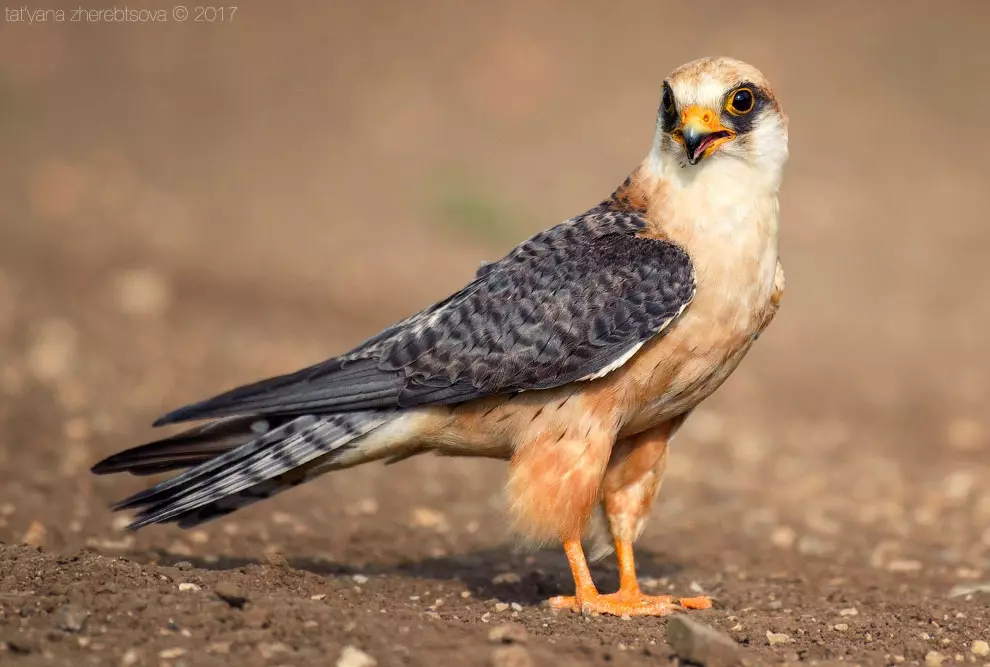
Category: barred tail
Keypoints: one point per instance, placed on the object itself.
(236, 462)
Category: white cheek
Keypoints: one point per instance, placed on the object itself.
(765, 146)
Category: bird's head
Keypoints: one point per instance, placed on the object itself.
(717, 109)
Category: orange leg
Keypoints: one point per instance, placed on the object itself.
(628, 601)
(629, 585)
(631, 483)
(584, 585)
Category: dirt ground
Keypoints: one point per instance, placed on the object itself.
(186, 207)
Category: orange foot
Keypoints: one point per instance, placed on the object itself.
(628, 604)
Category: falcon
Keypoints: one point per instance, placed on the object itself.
(576, 357)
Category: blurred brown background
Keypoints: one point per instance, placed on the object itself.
(190, 206)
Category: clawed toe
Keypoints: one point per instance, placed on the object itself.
(626, 604)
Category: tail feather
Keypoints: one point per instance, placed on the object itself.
(188, 448)
(227, 504)
(241, 474)
(207, 468)
(320, 435)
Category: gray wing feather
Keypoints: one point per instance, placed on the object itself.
(563, 306)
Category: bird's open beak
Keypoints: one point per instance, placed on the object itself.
(701, 133)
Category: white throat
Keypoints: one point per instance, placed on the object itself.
(724, 212)
(719, 196)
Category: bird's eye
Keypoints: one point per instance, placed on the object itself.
(741, 102)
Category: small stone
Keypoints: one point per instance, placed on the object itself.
(813, 546)
(360, 579)
(966, 434)
(131, 657)
(510, 633)
(363, 507)
(231, 593)
(511, 656)
(934, 659)
(507, 578)
(699, 643)
(275, 557)
(256, 619)
(76, 429)
(179, 548)
(318, 596)
(980, 648)
(783, 537)
(424, 517)
(851, 611)
(122, 544)
(53, 352)
(172, 653)
(71, 618)
(841, 627)
(355, 657)
(516, 606)
(968, 589)
(269, 651)
(183, 565)
(774, 638)
(142, 292)
(199, 537)
(501, 606)
(959, 484)
(18, 642)
(35, 534)
(187, 586)
(220, 648)
(904, 565)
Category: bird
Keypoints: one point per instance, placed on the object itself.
(576, 357)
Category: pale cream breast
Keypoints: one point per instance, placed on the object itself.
(727, 221)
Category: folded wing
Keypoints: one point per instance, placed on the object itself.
(569, 304)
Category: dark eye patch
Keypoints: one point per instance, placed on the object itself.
(668, 109)
(743, 123)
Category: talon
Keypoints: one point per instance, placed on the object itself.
(619, 604)
(699, 602)
(628, 601)
(563, 602)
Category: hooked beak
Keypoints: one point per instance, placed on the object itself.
(700, 133)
